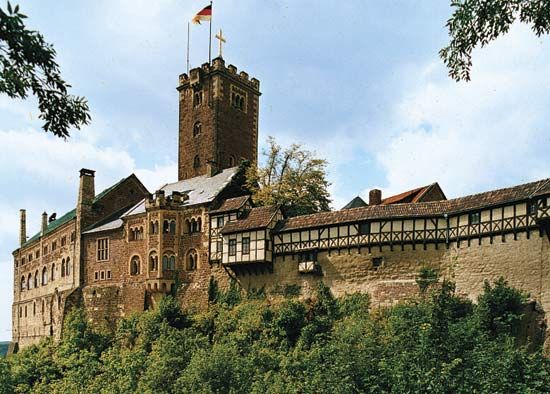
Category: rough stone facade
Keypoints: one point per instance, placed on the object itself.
(122, 250)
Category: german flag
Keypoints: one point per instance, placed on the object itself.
(203, 15)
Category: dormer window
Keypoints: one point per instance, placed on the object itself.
(197, 129)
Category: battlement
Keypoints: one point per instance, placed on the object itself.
(160, 200)
(218, 66)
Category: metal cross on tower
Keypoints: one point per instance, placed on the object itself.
(221, 38)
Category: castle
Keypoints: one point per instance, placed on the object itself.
(123, 249)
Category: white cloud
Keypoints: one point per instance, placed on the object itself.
(472, 136)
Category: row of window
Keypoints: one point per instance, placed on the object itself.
(233, 246)
(102, 275)
(197, 161)
(169, 226)
(136, 234)
(46, 250)
(33, 281)
(23, 312)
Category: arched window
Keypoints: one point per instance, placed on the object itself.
(172, 263)
(62, 268)
(188, 225)
(166, 227)
(52, 276)
(153, 262)
(34, 308)
(199, 225)
(23, 283)
(164, 262)
(197, 129)
(173, 227)
(196, 162)
(68, 269)
(231, 161)
(191, 260)
(140, 233)
(29, 282)
(44, 276)
(36, 278)
(135, 266)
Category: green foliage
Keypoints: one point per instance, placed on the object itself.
(213, 291)
(231, 296)
(500, 308)
(478, 22)
(437, 344)
(426, 277)
(292, 178)
(28, 66)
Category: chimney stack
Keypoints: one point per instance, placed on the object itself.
(86, 194)
(375, 197)
(22, 227)
(44, 223)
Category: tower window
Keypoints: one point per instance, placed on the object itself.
(197, 129)
(196, 162)
(231, 161)
(238, 98)
(197, 98)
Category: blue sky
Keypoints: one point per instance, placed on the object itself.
(359, 82)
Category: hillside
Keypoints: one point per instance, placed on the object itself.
(438, 343)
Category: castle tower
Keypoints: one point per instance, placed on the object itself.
(218, 119)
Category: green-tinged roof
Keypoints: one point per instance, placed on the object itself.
(70, 215)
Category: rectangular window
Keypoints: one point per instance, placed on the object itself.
(474, 218)
(232, 247)
(220, 222)
(63, 241)
(102, 275)
(54, 245)
(45, 251)
(96, 275)
(532, 207)
(246, 245)
(103, 249)
(30, 257)
(37, 253)
(267, 244)
(109, 274)
(364, 228)
(219, 246)
(72, 236)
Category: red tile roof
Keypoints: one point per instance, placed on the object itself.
(419, 209)
(231, 204)
(414, 195)
(254, 218)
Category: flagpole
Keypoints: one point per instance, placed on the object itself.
(210, 36)
(188, 23)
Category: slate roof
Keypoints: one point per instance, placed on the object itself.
(201, 189)
(253, 219)
(420, 209)
(67, 217)
(231, 204)
(355, 203)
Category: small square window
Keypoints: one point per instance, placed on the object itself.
(364, 228)
(377, 262)
(532, 207)
(232, 247)
(474, 218)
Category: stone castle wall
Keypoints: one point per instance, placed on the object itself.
(524, 263)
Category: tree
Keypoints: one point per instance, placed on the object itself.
(293, 178)
(27, 65)
(478, 22)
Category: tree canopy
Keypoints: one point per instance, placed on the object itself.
(291, 177)
(245, 343)
(478, 22)
(28, 66)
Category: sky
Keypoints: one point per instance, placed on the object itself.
(358, 82)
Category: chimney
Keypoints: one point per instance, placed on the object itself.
(375, 197)
(86, 194)
(44, 223)
(210, 169)
(22, 227)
